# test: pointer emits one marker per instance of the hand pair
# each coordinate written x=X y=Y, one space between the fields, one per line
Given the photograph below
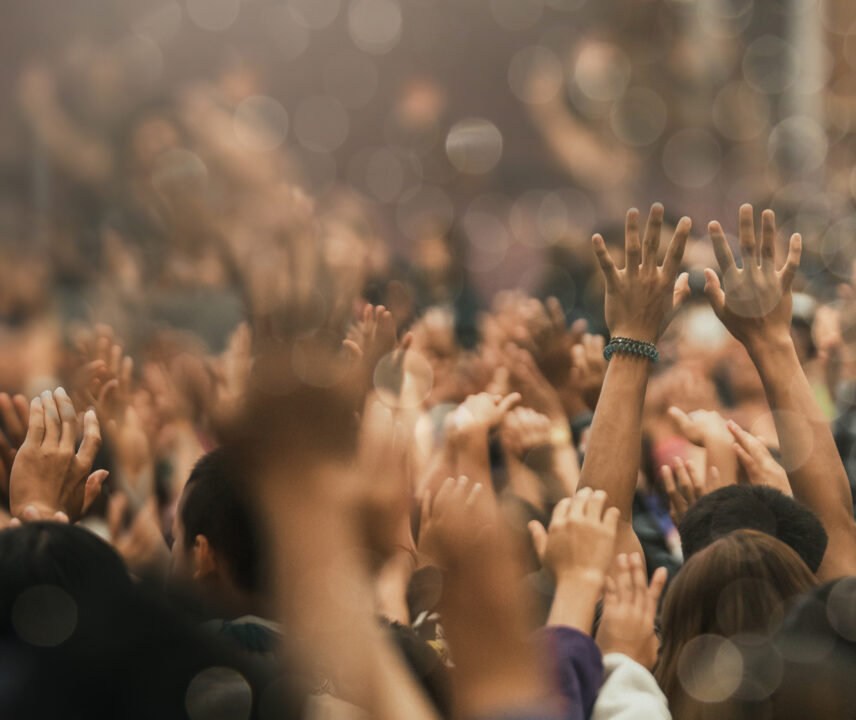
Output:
x=753 y=302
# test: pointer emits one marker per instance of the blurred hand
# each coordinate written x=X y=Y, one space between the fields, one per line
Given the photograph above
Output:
x=588 y=368
x=581 y=537
x=523 y=430
x=629 y=610
x=15 y=413
x=478 y=414
x=48 y=476
x=685 y=485
x=140 y=543
x=754 y=302
x=708 y=429
x=757 y=461
x=642 y=297
x=453 y=524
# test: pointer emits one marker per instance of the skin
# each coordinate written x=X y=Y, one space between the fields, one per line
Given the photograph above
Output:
x=640 y=300
x=755 y=304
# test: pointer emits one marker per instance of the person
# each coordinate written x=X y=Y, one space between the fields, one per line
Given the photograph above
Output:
x=74 y=622
x=755 y=507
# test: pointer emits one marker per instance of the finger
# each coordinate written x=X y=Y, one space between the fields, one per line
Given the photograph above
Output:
x=713 y=292
x=651 y=241
x=640 y=580
x=632 y=246
x=92 y=489
x=792 y=264
x=355 y=349
x=561 y=511
x=36 y=426
x=623 y=579
x=475 y=494
x=91 y=439
x=721 y=248
x=61 y=517
x=768 y=239
x=579 y=503
x=539 y=538
x=746 y=460
x=750 y=444
x=508 y=402
x=696 y=480
x=611 y=518
x=557 y=315
x=683 y=479
x=682 y=290
x=686 y=426
x=748 y=246
x=443 y=494
x=594 y=508
x=677 y=246
x=53 y=424
x=68 y=418
x=655 y=590
x=604 y=260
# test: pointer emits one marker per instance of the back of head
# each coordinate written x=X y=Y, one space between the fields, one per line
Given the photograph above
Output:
x=735 y=588
x=818 y=646
x=753 y=507
x=215 y=506
x=79 y=639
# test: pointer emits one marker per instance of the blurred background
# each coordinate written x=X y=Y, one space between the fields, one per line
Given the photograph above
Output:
x=153 y=150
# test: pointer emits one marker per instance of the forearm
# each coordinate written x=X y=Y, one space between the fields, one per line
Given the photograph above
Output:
x=615 y=446
x=575 y=601
x=809 y=454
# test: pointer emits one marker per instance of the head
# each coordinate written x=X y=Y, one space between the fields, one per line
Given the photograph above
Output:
x=738 y=586
x=753 y=507
x=215 y=539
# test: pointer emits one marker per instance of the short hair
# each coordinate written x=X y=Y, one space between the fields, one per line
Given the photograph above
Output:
x=215 y=507
x=753 y=507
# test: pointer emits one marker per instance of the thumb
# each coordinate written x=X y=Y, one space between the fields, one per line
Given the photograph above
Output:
x=682 y=290
x=713 y=291
x=539 y=538
x=93 y=488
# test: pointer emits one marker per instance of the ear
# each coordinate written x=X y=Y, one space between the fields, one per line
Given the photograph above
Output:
x=203 y=557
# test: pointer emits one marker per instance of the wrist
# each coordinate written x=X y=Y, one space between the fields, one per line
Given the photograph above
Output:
x=582 y=579
x=635 y=333
x=763 y=344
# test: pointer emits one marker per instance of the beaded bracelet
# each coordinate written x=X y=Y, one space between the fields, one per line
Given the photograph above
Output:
x=631 y=347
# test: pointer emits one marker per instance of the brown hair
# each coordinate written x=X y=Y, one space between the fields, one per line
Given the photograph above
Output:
x=737 y=584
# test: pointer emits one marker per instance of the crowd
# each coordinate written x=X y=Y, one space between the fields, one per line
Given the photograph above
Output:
x=360 y=511
x=265 y=453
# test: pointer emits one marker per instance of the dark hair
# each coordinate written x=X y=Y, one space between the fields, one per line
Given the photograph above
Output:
x=79 y=639
x=818 y=645
x=738 y=585
x=753 y=507
x=215 y=507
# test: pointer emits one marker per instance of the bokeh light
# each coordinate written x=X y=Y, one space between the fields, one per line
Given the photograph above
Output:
x=218 y=693
x=44 y=615
x=474 y=146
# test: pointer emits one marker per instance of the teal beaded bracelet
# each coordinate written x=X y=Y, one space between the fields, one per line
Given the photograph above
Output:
x=631 y=347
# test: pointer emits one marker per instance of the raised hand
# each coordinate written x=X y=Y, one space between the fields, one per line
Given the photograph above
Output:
x=15 y=412
x=642 y=297
x=141 y=542
x=754 y=302
x=685 y=485
x=452 y=522
x=588 y=368
x=629 y=610
x=51 y=474
x=708 y=429
x=524 y=429
x=760 y=467
x=581 y=536
x=577 y=550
